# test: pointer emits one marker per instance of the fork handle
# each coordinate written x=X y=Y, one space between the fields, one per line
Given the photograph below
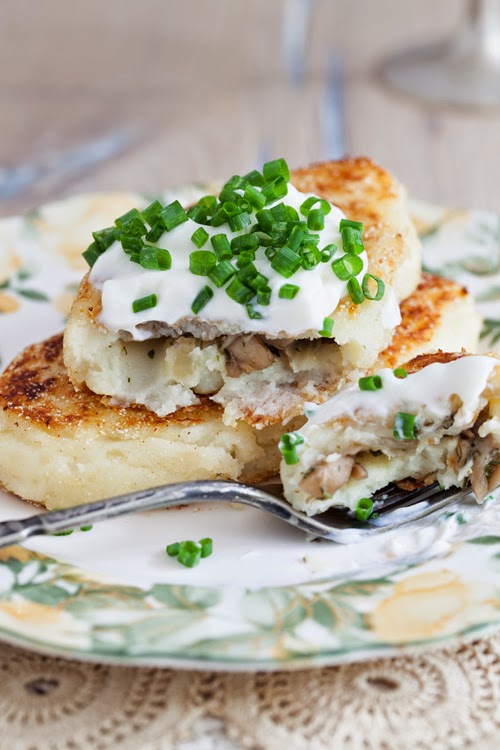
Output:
x=165 y=496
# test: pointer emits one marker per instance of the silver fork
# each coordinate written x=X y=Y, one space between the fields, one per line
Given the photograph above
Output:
x=394 y=508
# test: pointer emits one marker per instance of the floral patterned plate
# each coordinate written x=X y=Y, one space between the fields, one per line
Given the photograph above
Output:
x=267 y=598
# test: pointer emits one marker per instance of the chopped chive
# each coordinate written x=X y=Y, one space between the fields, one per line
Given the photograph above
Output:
x=156 y=232
x=144 y=303
x=173 y=215
x=172 y=550
x=207 y=546
x=208 y=202
x=91 y=254
x=292 y=438
x=87 y=527
x=264 y=295
x=255 y=197
x=290 y=456
x=400 y=372
x=67 y=532
x=295 y=238
x=288 y=291
x=288 y=447
x=311 y=257
x=279 y=233
x=352 y=240
x=258 y=281
x=346 y=267
x=198 y=214
x=276 y=168
x=366 y=287
x=370 y=383
x=306 y=207
x=247 y=273
x=364 y=509
x=352 y=224
x=239 y=292
x=222 y=272
x=328 y=252
x=150 y=213
x=240 y=221
x=355 y=291
x=405 y=426
x=104 y=238
x=199 y=237
x=189 y=553
x=275 y=190
x=155 y=258
x=245 y=258
x=316 y=219
x=131 y=244
x=292 y=213
x=202 y=262
x=253 y=313
x=254 y=178
x=244 y=242
x=286 y=262
x=132 y=223
x=265 y=219
x=280 y=213
x=327 y=329
x=201 y=299
x=221 y=246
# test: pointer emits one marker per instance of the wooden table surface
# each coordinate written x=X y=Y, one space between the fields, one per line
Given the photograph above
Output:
x=146 y=95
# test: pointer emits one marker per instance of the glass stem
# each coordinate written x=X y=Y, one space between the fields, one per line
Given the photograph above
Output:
x=483 y=28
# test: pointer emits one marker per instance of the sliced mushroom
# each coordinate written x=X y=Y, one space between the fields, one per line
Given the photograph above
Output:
x=328 y=476
x=245 y=354
x=484 y=467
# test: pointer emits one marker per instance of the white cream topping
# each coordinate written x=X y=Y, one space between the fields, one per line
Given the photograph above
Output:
x=122 y=281
x=431 y=389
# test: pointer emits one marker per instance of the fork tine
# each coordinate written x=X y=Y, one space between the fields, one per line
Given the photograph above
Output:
x=396 y=497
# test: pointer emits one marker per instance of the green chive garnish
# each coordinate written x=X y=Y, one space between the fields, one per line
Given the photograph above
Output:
x=306 y=207
x=155 y=232
x=405 y=426
x=173 y=215
x=255 y=197
x=199 y=237
x=151 y=213
x=328 y=252
x=264 y=295
x=132 y=223
x=239 y=222
x=239 y=292
x=222 y=272
x=63 y=533
x=92 y=253
x=327 y=329
x=189 y=553
x=221 y=246
x=276 y=168
x=254 y=178
x=202 y=262
x=400 y=372
x=370 y=383
x=286 y=262
x=172 y=550
x=352 y=224
x=253 y=313
x=104 y=238
x=288 y=447
x=352 y=240
x=311 y=257
x=155 y=258
x=87 y=527
x=346 y=267
x=275 y=190
x=144 y=303
x=355 y=291
x=366 y=287
x=206 y=546
x=201 y=299
x=364 y=509
x=316 y=219
x=244 y=242
x=288 y=291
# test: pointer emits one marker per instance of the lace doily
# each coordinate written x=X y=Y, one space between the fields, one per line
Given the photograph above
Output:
x=443 y=700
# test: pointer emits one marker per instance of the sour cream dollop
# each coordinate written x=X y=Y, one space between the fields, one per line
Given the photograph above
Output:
x=122 y=281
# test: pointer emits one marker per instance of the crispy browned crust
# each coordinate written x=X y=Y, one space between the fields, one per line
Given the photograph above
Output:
x=423 y=360
x=35 y=388
x=421 y=317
